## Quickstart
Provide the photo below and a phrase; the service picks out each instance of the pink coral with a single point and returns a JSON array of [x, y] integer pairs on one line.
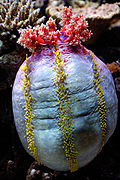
[[74, 29], [66, 16], [39, 35], [28, 39]]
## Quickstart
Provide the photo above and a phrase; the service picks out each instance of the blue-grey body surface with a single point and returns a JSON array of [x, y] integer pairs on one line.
[[87, 133]]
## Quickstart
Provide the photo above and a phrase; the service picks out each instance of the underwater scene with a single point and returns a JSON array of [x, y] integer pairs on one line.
[[59, 89]]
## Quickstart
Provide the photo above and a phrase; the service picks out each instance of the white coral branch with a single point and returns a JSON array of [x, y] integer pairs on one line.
[[15, 14]]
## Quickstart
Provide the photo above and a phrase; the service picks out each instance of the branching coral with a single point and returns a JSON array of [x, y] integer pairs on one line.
[[16, 14], [99, 17], [39, 35], [74, 29]]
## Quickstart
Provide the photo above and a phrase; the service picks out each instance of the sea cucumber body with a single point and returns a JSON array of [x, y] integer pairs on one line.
[[80, 80]]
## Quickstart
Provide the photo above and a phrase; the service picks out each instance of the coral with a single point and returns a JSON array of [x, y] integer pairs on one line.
[[10, 63], [39, 35], [16, 14], [113, 67], [73, 28], [68, 3], [99, 17], [13, 59], [41, 3]]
